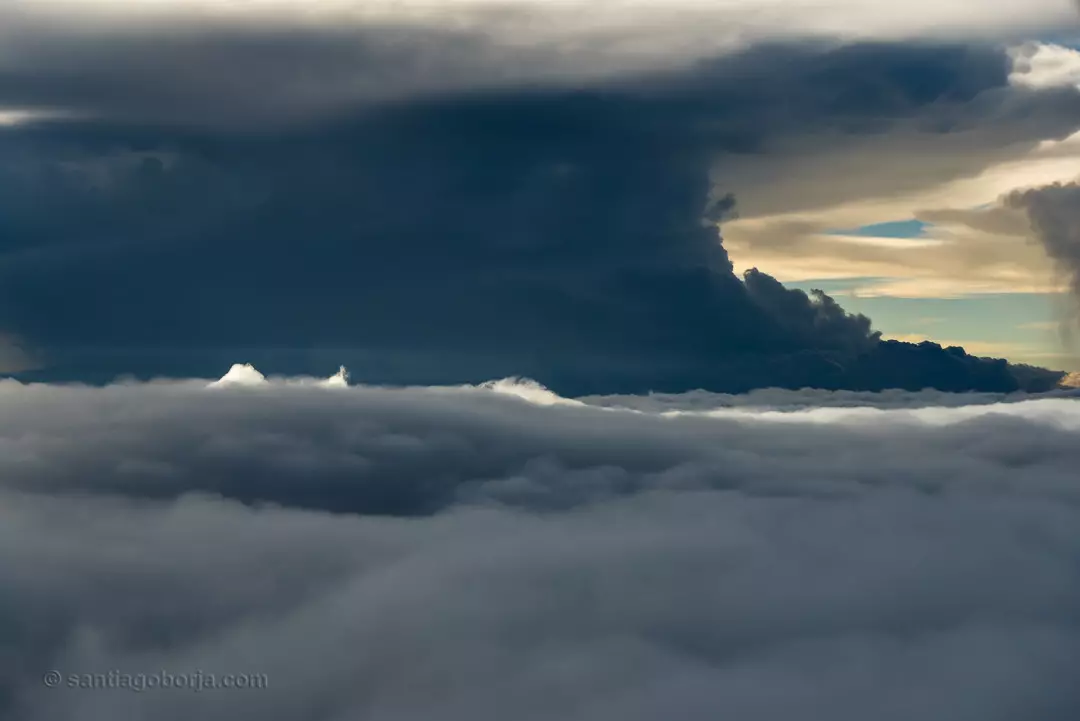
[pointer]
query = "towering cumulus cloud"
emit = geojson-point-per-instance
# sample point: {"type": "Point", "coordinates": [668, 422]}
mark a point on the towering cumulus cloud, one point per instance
{"type": "Point", "coordinates": [563, 230]}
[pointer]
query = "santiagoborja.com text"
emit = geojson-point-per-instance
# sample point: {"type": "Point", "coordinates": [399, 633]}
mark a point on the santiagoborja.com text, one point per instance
{"type": "Point", "coordinates": [138, 682]}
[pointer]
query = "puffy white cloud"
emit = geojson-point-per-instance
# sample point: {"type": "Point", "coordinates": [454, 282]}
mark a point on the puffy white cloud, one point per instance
{"type": "Point", "coordinates": [1042, 65]}
{"type": "Point", "coordinates": [467, 554]}
{"type": "Point", "coordinates": [243, 374]}
{"type": "Point", "coordinates": [339, 379]}
{"type": "Point", "coordinates": [529, 390]}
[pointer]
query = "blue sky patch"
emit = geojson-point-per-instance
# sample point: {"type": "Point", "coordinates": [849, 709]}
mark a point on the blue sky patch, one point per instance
{"type": "Point", "coordinates": [892, 229]}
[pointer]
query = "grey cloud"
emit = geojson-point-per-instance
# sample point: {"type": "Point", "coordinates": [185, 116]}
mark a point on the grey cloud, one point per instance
{"type": "Point", "coordinates": [232, 78]}
{"type": "Point", "coordinates": [393, 452]}
{"type": "Point", "coordinates": [1055, 220]}
{"type": "Point", "coordinates": [256, 76]}
{"type": "Point", "coordinates": [569, 561]}
{"type": "Point", "coordinates": [909, 155]}
{"type": "Point", "coordinates": [994, 220]}
{"type": "Point", "coordinates": [235, 65]}
{"type": "Point", "coordinates": [1055, 223]}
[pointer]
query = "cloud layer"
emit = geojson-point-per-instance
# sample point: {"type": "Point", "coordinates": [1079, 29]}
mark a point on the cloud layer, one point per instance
{"type": "Point", "coordinates": [266, 59]}
{"type": "Point", "coordinates": [467, 554]}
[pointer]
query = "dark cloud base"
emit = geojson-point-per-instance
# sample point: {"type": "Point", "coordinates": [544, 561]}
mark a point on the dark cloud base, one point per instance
{"type": "Point", "coordinates": [394, 554]}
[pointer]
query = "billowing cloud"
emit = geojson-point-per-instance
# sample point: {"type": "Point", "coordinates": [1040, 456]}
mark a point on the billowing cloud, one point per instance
{"type": "Point", "coordinates": [463, 553]}
{"type": "Point", "coordinates": [552, 232]}
{"type": "Point", "coordinates": [1039, 65]}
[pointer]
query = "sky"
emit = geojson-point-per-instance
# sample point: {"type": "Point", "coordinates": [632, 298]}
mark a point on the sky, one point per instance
{"type": "Point", "coordinates": [517, 359]}
{"type": "Point", "coordinates": [464, 190]}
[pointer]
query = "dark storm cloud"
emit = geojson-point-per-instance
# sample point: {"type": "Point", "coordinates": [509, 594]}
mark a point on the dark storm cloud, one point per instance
{"type": "Point", "coordinates": [555, 232]}
{"type": "Point", "coordinates": [560, 561]}
{"type": "Point", "coordinates": [816, 321]}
